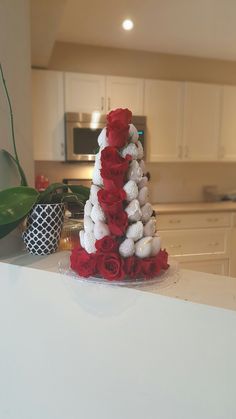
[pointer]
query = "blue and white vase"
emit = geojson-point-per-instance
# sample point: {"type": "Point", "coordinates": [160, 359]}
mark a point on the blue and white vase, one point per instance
{"type": "Point", "coordinates": [43, 228]}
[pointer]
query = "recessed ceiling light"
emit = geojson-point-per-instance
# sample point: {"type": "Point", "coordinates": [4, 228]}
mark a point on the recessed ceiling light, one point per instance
{"type": "Point", "coordinates": [127, 24]}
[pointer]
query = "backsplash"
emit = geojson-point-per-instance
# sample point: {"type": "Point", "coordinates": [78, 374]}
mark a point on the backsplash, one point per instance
{"type": "Point", "coordinates": [170, 182]}
{"type": "Point", "coordinates": [183, 182]}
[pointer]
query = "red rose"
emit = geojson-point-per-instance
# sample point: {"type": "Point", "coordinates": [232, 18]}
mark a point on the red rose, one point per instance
{"type": "Point", "coordinates": [118, 127]}
{"type": "Point", "coordinates": [110, 266]}
{"type": "Point", "coordinates": [122, 115]}
{"type": "Point", "coordinates": [83, 263]}
{"type": "Point", "coordinates": [111, 156]}
{"type": "Point", "coordinates": [162, 259]}
{"type": "Point", "coordinates": [74, 256]}
{"type": "Point", "coordinates": [111, 201]}
{"type": "Point", "coordinates": [117, 134]}
{"type": "Point", "coordinates": [106, 245]}
{"type": "Point", "coordinates": [113, 168]}
{"type": "Point", "coordinates": [150, 267]}
{"type": "Point", "coordinates": [117, 223]}
{"type": "Point", "coordinates": [132, 267]}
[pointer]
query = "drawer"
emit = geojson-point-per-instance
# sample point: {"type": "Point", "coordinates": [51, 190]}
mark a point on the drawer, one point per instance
{"type": "Point", "coordinates": [195, 242]}
{"type": "Point", "coordinates": [195, 220]}
{"type": "Point", "coordinates": [218, 267]}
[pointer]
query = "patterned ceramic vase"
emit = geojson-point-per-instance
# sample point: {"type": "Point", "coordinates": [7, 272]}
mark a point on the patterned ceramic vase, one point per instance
{"type": "Point", "coordinates": [43, 229]}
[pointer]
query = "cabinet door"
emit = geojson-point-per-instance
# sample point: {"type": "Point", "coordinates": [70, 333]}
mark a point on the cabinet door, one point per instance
{"type": "Point", "coordinates": [202, 241]}
{"type": "Point", "coordinates": [123, 92]}
{"type": "Point", "coordinates": [163, 106]}
{"type": "Point", "coordinates": [48, 115]}
{"type": "Point", "coordinates": [201, 121]}
{"type": "Point", "coordinates": [84, 92]}
{"type": "Point", "coordinates": [228, 124]}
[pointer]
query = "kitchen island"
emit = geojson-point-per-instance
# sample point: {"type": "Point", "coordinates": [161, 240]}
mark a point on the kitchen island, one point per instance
{"type": "Point", "coordinates": [80, 350]}
{"type": "Point", "coordinates": [199, 287]}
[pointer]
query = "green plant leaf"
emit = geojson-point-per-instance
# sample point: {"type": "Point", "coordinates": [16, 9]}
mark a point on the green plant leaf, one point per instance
{"type": "Point", "coordinates": [20, 170]}
{"type": "Point", "coordinates": [15, 203]}
{"type": "Point", "coordinates": [51, 194]}
{"type": "Point", "coordinates": [7, 228]}
{"type": "Point", "coordinates": [76, 198]}
{"type": "Point", "coordinates": [82, 191]}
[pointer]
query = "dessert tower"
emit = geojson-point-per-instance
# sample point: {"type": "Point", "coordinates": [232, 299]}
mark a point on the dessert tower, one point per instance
{"type": "Point", "coordinates": [119, 240]}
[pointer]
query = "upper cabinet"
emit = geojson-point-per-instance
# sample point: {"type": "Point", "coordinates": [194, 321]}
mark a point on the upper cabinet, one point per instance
{"type": "Point", "coordinates": [124, 92]}
{"type": "Point", "coordinates": [186, 121]}
{"type": "Point", "coordinates": [163, 105]}
{"type": "Point", "coordinates": [228, 124]}
{"type": "Point", "coordinates": [54, 93]}
{"type": "Point", "coordinates": [89, 93]}
{"type": "Point", "coordinates": [48, 115]}
{"type": "Point", "coordinates": [183, 121]}
{"type": "Point", "coordinates": [201, 121]}
{"type": "Point", "coordinates": [84, 93]}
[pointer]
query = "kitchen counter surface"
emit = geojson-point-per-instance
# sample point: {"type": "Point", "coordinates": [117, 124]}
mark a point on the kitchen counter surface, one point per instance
{"type": "Point", "coordinates": [72, 349]}
{"type": "Point", "coordinates": [199, 287]}
{"type": "Point", "coordinates": [183, 207]}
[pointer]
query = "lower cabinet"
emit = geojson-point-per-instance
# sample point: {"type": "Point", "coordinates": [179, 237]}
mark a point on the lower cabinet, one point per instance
{"type": "Point", "coordinates": [199, 241]}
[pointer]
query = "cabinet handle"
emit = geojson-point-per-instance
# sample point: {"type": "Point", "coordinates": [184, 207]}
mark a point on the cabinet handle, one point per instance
{"type": "Point", "coordinates": [180, 152]}
{"type": "Point", "coordinates": [102, 103]}
{"type": "Point", "coordinates": [222, 152]}
{"type": "Point", "coordinates": [108, 103]}
{"type": "Point", "coordinates": [173, 221]}
{"type": "Point", "coordinates": [175, 246]}
{"type": "Point", "coordinates": [212, 220]}
{"type": "Point", "coordinates": [186, 152]}
{"type": "Point", "coordinates": [213, 244]}
{"type": "Point", "coordinates": [62, 149]}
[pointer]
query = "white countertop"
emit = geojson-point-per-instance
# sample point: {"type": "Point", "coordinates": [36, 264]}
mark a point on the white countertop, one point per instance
{"type": "Point", "coordinates": [215, 290]}
{"type": "Point", "coordinates": [74, 350]}
{"type": "Point", "coordinates": [183, 207]}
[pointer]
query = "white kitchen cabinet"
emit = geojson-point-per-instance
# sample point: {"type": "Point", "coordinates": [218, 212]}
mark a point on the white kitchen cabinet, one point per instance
{"type": "Point", "coordinates": [228, 124]}
{"type": "Point", "coordinates": [124, 92]}
{"type": "Point", "coordinates": [183, 121]}
{"type": "Point", "coordinates": [191, 221]}
{"type": "Point", "coordinates": [199, 241]}
{"type": "Point", "coordinates": [89, 93]}
{"type": "Point", "coordinates": [201, 122]}
{"type": "Point", "coordinates": [48, 115]}
{"type": "Point", "coordinates": [196, 242]}
{"type": "Point", "coordinates": [84, 93]}
{"type": "Point", "coordinates": [163, 106]}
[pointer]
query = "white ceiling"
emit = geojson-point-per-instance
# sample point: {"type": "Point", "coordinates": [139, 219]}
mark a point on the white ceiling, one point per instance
{"type": "Point", "coordinates": [204, 28]}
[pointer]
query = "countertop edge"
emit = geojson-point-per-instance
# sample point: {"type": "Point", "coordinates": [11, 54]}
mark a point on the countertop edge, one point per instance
{"type": "Point", "coordinates": [194, 207]}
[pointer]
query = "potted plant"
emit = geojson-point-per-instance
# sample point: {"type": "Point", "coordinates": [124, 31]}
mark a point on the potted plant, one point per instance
{"type": "Point", "coordinates": [44, 211]}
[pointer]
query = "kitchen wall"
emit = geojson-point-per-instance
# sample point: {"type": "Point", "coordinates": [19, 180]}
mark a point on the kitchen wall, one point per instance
{"type": "Point", "coordinates": [130, 63]}
{"type": "Point", "coordinates": [15, 59]}
{"type": "Point", "coordinates": [170, 182]}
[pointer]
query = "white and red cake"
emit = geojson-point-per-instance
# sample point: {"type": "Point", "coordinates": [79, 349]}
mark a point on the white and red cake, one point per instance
{"type": "Point", "coordinates": [119, 240]}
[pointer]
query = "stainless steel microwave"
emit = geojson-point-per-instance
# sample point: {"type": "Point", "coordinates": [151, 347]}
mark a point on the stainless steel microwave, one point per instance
{"type": "Point", "coordinates": [82, 131]}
